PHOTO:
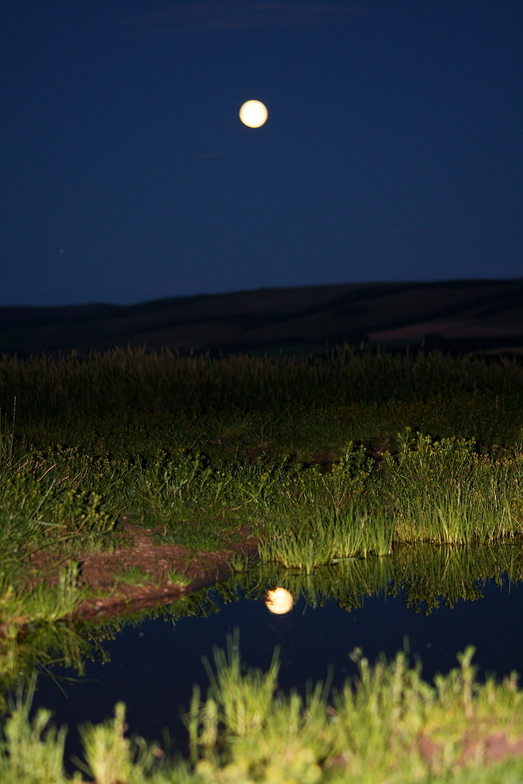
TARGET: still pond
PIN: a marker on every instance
(153, 663)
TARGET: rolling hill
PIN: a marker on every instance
(459, 316)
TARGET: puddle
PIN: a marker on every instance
(154, 664)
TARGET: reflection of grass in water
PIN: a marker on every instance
(429, 575)
(244, 731)
(42, 646)
(26, 645)
(388, 725)
(346, 582)
(31, 630)
(426, 574)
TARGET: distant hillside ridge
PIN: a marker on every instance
(457, 315)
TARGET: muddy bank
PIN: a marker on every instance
(160, 564)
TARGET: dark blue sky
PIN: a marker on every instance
(393, 149)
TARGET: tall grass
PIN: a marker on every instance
(163, 381)
(445, 492)
(441, 492)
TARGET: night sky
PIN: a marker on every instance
(393, 150)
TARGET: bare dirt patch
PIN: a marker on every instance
(487, 747)
(105, 573)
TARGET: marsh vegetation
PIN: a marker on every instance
(339, 465)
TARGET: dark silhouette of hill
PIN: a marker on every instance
(456, 316)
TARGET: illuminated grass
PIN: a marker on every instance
(439, 491)
(423, 449)
(388, 725)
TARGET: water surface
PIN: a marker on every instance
(154, 665)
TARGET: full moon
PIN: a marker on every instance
(253, 114)
(279, 601)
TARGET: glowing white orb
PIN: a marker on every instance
(279, 601)
(253, 114)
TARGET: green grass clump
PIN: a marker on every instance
(445, 492)
(375, 732)
(386, 726)
(31, 752)
(442, 492)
